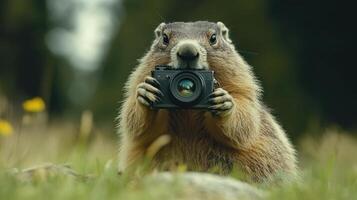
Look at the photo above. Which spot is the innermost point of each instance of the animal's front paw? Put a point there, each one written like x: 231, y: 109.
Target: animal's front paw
x: 222, y: 102
x: 148, y: 91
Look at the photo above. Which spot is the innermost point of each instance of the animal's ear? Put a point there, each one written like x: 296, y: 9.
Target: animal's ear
x: 224, y: 31
x: 158, y: 30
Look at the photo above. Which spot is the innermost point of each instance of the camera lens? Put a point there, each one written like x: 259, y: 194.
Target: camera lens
x: 186, y: 87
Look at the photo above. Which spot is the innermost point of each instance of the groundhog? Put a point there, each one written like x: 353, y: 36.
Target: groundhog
x: 236, y: 130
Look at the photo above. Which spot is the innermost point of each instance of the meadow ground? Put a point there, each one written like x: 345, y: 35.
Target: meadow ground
x: 328, y: 166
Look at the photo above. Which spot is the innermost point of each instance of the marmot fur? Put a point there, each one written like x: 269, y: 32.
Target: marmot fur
x: 238, y: 130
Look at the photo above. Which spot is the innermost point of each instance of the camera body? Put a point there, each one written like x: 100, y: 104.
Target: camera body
x: 183, y: 88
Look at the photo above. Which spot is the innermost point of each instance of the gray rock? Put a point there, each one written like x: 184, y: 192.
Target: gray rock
x: 206, y: 186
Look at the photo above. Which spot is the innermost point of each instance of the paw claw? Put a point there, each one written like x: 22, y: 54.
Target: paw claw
x: 220, y: 99
x: 152, y: 81
x: 143, y: 101
x: 218, y: 92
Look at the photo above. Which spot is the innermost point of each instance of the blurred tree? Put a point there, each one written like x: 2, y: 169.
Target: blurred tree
x: 22, y: 49
x: 26, y: 66
x: 321, y: 36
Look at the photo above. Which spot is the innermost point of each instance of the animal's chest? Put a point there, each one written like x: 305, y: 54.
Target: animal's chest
x: 192, y: 145
x: 187, y: 122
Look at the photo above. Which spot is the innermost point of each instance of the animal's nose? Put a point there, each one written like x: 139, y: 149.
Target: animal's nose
x: 187, y: 52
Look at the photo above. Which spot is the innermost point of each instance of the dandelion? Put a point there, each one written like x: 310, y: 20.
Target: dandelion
x: 182, y: 168
x: 34, y: 105
x: 5, y: 128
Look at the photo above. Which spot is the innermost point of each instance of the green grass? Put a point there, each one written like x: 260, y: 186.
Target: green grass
x: 328, y: 167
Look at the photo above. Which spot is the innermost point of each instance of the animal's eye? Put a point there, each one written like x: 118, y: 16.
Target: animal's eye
x: 213, y: 39
x: 165, y: 39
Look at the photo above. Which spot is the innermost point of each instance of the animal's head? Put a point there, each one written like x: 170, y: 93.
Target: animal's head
x: 193, y: 45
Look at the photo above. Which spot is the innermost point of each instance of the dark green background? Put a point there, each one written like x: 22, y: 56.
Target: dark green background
x: 302, y: 52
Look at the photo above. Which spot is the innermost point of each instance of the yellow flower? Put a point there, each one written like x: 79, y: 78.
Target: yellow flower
x: 34, y: 105
x: 5, y: 128
x: 182, y: 168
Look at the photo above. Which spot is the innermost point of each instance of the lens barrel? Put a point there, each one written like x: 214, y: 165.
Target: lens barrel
x: 186, y: 88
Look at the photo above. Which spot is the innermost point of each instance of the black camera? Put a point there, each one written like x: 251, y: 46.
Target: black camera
x: 184, y: 88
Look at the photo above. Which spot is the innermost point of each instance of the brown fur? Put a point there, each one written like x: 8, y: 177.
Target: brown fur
x: 248, y: 137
